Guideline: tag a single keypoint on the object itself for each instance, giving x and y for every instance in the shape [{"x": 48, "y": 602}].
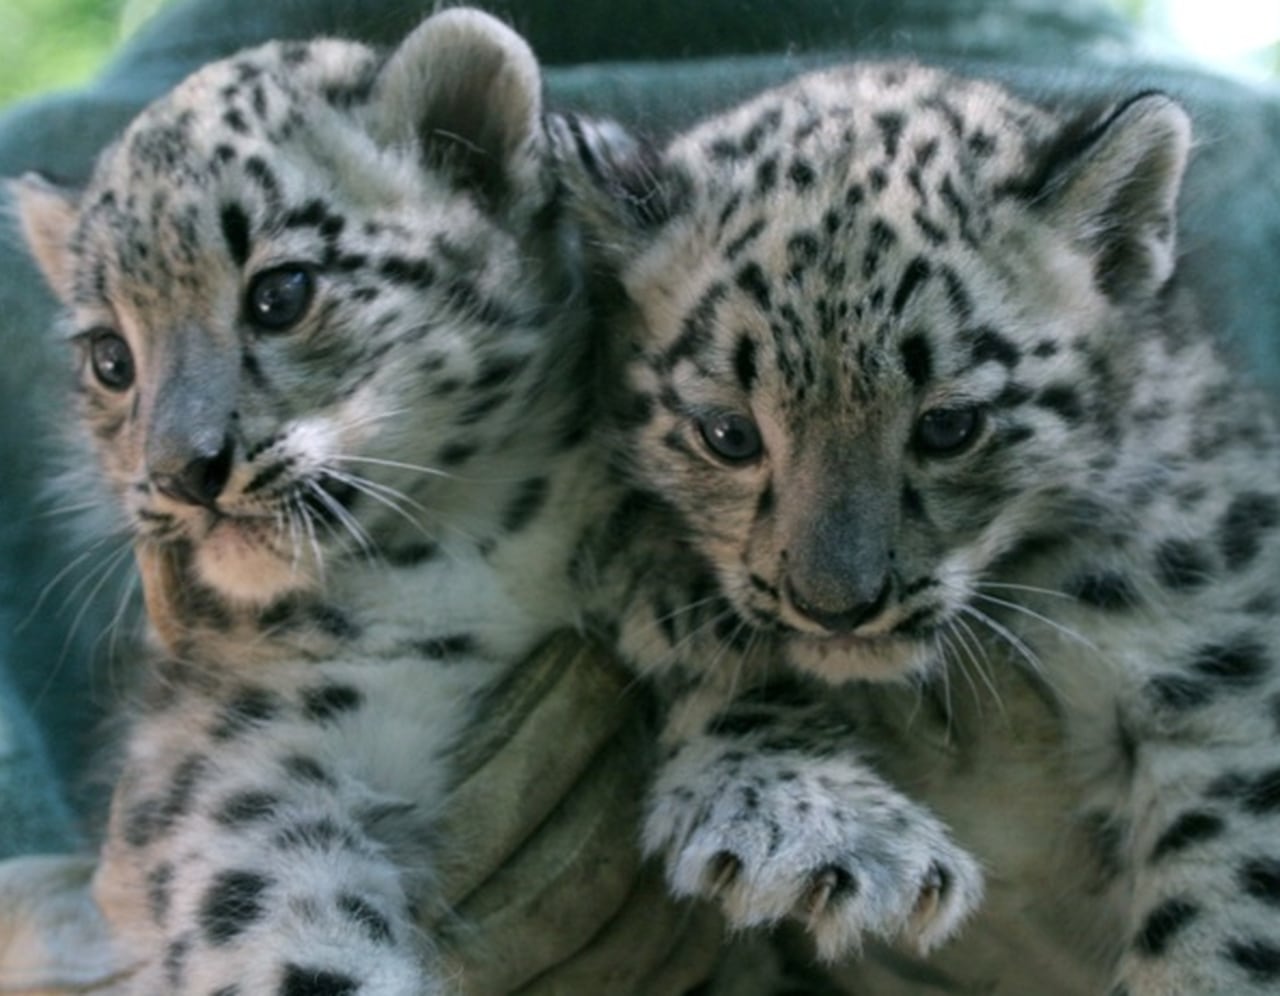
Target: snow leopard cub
[
  {"x": 909, "y": 364},
  {"x": 326, "y": 312}
]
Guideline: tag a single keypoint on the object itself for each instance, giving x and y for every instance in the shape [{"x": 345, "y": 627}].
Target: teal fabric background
[{"x": 655, "y": 65}]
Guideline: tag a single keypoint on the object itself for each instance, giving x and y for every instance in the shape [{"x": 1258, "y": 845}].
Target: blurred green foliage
[{"x": 46, "y": 44}]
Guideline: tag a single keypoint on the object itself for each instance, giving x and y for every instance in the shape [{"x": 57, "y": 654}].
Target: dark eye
[
  {"x": 947, "y": 431},
  {"x": 731, "y": 437},
  {"x": 278, "y": 298},
  {"x": 112, "y": 360}
]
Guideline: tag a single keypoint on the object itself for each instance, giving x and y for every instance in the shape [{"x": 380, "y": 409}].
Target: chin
[
  {"x": 240, "y": 563},
  {"x": 837, "y": 659}
]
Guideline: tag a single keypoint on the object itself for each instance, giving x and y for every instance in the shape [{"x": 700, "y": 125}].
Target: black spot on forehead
[
  {"x": 917, "y": 358},
  {"x": 236, "y": 231},
  {"x": 744, "y": 361},
  {"x": 914, "y": 276},
  {"x": 890, "y": 124}
]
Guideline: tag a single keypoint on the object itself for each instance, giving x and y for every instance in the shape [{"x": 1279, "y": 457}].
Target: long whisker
[
  {"x": 57, "y": 578},
  {"x": 973, "y": 652},
  {"x": 103, "y": 573},
  {"x": 1029, "y": 588},
  {"x": 398, "y": 464},
  {"x": 385, "y": 496},
  {"x": 1029, "y": 655},
  {"x": 345, "y": 518},
  {"x": 1064, "y": 630}
]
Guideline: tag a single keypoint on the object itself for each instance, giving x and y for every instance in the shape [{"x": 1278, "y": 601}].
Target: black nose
[
  {"x": 202, "y": 479},
  {"x": 839, "y": 619}
]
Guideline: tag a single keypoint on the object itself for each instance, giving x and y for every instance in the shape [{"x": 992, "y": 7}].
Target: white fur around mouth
[{"x": 238, "y": 558}]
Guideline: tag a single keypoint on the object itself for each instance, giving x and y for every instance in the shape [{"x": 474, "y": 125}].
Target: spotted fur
[
  {"x": 909, "y": 370},
  {"x": 327, "y": 314}
]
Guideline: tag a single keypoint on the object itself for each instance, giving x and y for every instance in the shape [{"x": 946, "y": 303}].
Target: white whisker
[{"x": 1064, "y": 630}]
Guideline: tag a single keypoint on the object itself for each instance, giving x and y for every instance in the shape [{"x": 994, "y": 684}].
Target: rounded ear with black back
[
  {"x": 1112, "y": 183},
  {"x": 467, "y": 90}
]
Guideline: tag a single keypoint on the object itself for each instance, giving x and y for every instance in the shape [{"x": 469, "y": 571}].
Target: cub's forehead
[
  {"x": 892, "y": 116},
  {"x": 258, "y": 100}
]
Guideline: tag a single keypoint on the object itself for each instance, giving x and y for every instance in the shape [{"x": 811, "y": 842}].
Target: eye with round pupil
[
  {"x": 112, "y": 360},
  {"x": 731, "y": 437},
  {"x": 947, "y": 431},
  {"x": 279, "y": 298}
]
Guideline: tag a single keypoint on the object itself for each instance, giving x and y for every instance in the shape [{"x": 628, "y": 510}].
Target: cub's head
[
  {"x": 311, "y": 291},
  {"x": 875, "y": 327}
]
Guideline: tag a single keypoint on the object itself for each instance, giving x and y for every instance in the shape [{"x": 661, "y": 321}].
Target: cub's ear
[
  {"x": 619, "y": 187},
  {"x": 1115, "y": 190},
  {"x": 467, "y": 90},
  {"x": 47, "y": 218}
]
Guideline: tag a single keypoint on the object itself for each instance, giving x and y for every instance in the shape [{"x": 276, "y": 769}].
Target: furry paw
[{"x": 821, "y": 839}]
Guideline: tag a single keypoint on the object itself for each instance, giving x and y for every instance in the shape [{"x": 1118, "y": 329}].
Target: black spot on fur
[
  {"x": 155, "y": 816},
  {"x": 247, "y": 806},
  {"x": 1182, "y": 565},
  {"x": 250, "y": 706},
  {"x": 307, "y": 769},
  {"x": 1241, "y": 662},
  {"x": 522, "y": 509},
  {"x": 1259, "y": 958},
  {"x": 1248, "y": 518},
  {"x": 236, "y": 232},
  {"x": 299, "y": 981},
  {"x": 751, "y": 279},
  {"x": 890, "y": 125},
  {"x": 455, "y": 454},
  {"x": 748, "y": 235},
  {"x": 159, "y": 883},
  {"x": 328, "y": 701},
  {"x": 363, "y": 914},
  {"x": 234, "y": 120},
  {"x": 175, "y": 960},
  {"x": 744, "y": 361},
  {"x": 917, "y": 358},
  {"x": 232, "y": 903},
  {"x": 916, "y": 273},
  {"x": 1260, "y": 878},
  {"x": 1179, "y": 692},
  {"x": 446, "y": 647},
  {"x": 879, "y": 238},
  {"x": 697, "y": 327},
  {"x": 1106, "y": 590},
  {"x": 801, "y": 174},
  {"x": 1257, "y": 793},
  {"x": 1063, "y": 400},
  {"x": 411, "y": 272},
  {"x": 1193, "y": 827},
  {"x": 1163, "y": 924},
  {"x": 332, "y": 621},
  {"x": 990, "y": 346},
  {"x": 257, "y": 170},
  {"x": 767, "y": 175}
]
